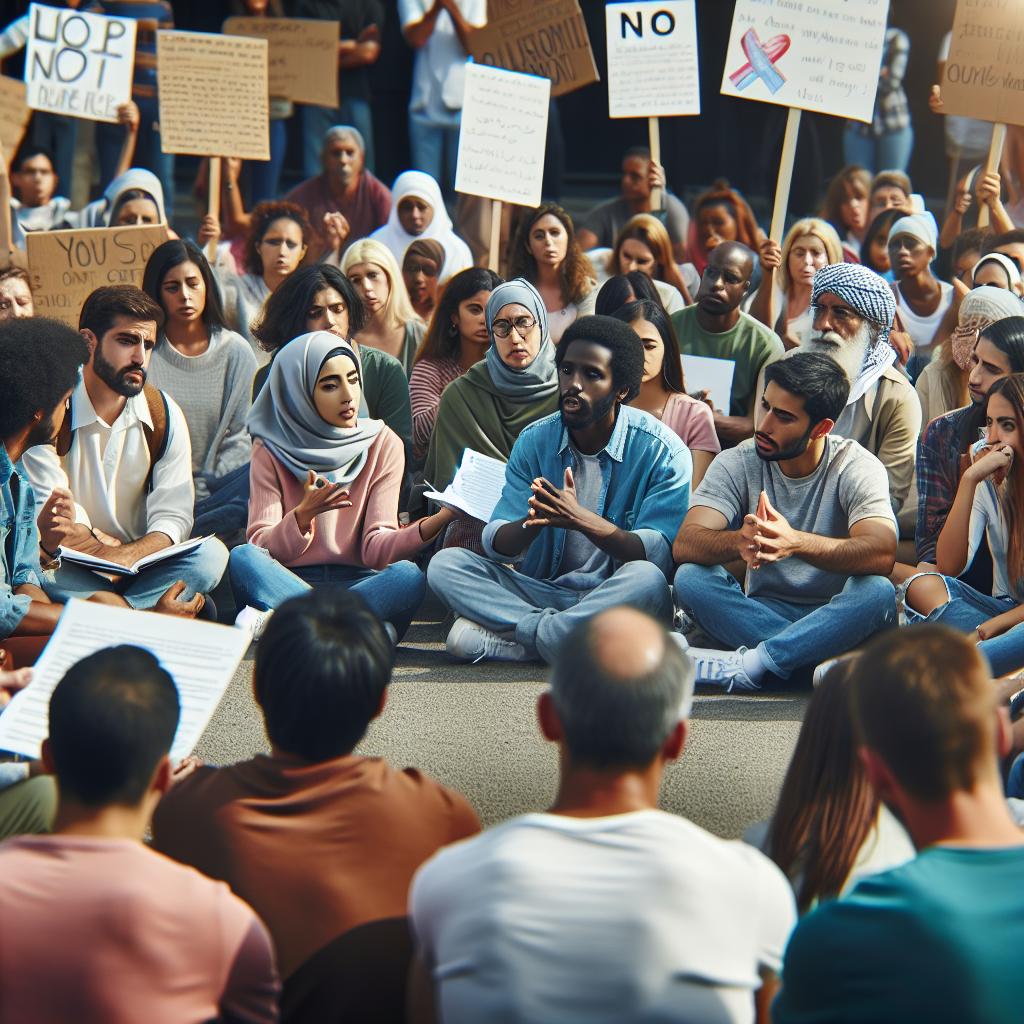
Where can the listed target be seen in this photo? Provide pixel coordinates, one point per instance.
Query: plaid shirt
(892, 111)
(938, 476)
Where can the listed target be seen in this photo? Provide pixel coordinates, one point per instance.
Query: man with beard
(115, 492)
(346, 202)
(592, 496)
(809, 513)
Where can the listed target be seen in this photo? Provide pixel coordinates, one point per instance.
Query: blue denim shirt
(645, 472)
(19, 544)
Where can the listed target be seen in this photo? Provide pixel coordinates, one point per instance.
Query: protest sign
(213, 95)
(547, 38)
(79, 64)
(303, 56)
(14, 115)
(66, 266)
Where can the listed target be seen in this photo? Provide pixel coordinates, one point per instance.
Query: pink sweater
(367, 534)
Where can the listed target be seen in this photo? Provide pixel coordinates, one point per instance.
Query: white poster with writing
(652, 59)
(503, 135)
(820, 55)
(79, 64)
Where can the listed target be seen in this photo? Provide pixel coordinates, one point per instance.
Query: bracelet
(49, 554)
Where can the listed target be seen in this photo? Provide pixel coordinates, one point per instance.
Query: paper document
(103, 565)
(713, 375)
(476, 487)
(200, 656)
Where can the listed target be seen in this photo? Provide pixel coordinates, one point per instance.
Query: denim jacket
(19, 544)
(645, 472)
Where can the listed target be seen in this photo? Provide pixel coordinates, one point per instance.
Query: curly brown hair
(576, 272)
(263, 215)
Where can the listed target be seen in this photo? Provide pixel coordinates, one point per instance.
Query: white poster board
(79, 64)
(503, 135)
(652, 59)
(704, 373)
(822, 56)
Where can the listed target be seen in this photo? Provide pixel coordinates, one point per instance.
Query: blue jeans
(967, 609)
(265, 175)
(201, 569)
(889, 152)
(316, 121)
(226, 508)
(540, 614)
(791, 635)
(57, 135)
(435, 148)
(393, 593)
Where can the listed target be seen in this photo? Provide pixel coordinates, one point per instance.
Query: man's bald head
(736, 253)
(726, 278)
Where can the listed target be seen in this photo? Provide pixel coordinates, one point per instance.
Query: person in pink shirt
(323, 504)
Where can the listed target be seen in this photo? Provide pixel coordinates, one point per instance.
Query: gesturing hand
(56, 519)
(318, 497)
(550, 506)
(774, 537)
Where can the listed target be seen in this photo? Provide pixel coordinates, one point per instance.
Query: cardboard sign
(14, 115)
(79, 64)
(303, 56)
(503, 135)
(822, 55)
(67, 266)
(213, 95)
(984, 76)
(540, 37)
(652, 59)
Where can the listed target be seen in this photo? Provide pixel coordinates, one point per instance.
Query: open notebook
(103, 565)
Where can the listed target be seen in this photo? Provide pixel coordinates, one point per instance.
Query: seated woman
(721, 215)
(846, 209)
(456, 340)
(208, 371)
(135, 197)
(621, 289)
(15, 294)
(989, 503)
(421, 271)
(662, 392)
(545, 252)
(874, 253)
(418, 211)
(323, 509)
(391, 323)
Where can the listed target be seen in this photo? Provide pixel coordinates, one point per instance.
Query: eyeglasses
(522, 324)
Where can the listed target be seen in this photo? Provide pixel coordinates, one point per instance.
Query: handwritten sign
(14, 115)
(67, 266)
(503, 135)
(984, 75)
(213, 95)
(820, 55)
(303, 56)
(652, 59)
(79, 64)
(539, 37)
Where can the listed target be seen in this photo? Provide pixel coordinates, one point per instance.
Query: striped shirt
(429, 378)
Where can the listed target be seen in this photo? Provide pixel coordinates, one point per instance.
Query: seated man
(715, 327)
(937, 939)
(93, 925)
(605, 908)
(809, 513)
(321, 676)
(600, 539)
(112, 486)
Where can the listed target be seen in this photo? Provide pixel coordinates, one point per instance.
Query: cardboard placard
(14, 115)
(503, 135)
(79, 64)
(984, 75)
(213, 95)
(652, 59)
(303, 56)
(67, 266)
(820, 55)
(539, 37)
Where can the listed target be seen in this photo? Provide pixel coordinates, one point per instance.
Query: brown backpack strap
(157, 435)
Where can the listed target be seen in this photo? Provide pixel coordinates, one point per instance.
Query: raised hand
(319, 496)
(56, 519)
(553, 506)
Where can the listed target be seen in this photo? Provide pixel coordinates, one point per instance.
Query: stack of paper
(476, 488)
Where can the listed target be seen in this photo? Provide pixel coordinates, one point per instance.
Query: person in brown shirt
(315, 838)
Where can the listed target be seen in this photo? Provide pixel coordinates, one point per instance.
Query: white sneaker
(680, 641)
(468, 641)
(722, 668)
(253, 621)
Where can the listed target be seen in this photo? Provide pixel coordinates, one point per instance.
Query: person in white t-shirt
(604, 908)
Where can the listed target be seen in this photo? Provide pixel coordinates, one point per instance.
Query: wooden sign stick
(213, 203)
(654, 144)
(493, 252)
(785, 178)
(995, 154)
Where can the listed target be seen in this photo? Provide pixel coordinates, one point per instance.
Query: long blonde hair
(397, 310)
(820, 229)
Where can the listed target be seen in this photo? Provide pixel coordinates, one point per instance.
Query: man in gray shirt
(809, 514)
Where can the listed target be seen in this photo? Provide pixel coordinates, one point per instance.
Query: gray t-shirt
(607, 219)
(848, 485)
(583, 563)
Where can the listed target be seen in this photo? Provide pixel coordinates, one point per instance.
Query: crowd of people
(281, 394)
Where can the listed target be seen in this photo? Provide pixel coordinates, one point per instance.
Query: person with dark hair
(591, 499)
(37, 207)
(965, 253)
(15, 294)
(208, 371)
(603, 908)
(720, 215)
(1010, 243)
(874, 253)
(135, 197)
(321, 676)
(809, 514)
(845, 207)
(112, 720)
(662, 392)
(421, 271)
(931, 736)
(890, 190)
(117, 483)
(621, 289)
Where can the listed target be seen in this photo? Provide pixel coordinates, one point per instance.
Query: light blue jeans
(316, 121)
(794, 635)
(201, 569)
(539, 614)
(889, 152)
(393, 593)
(435, 148)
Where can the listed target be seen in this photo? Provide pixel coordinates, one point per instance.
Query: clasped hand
(551, 506)
(766, 536)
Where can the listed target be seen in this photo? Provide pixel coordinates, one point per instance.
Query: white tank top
(922, 328)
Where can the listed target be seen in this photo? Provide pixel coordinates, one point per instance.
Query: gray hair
(344, 131)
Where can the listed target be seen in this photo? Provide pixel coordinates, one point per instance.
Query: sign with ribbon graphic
(761, 60)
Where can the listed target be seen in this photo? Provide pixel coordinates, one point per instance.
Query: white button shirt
(106, 471)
